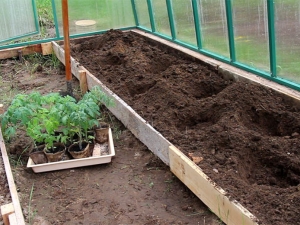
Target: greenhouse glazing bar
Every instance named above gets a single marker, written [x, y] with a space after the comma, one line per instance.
[35, 15]
[272, 75]
[195, 6]
[171, 19]
[230, 30]
[55, 18]
[151, 16]
[272, 44]
[135, 13]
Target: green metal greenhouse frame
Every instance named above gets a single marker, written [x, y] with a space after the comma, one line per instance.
[232, 59]
[36, 23]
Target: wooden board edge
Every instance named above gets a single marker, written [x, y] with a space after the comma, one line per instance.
[11, 183]
[47, 48]
[43, 48]
[6, 210]
[83, 81]
[13, 219]
[15, 52]
[230, 212]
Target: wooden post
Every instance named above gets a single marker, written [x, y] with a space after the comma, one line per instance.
[65, 13]
[12, 219]
[1, 108]
[83, 81]
[47, 48]
[6, 210]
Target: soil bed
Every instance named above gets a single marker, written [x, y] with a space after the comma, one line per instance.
[248, 135]
[135, 188]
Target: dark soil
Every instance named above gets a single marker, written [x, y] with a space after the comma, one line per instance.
[248, 135]
[135, 188]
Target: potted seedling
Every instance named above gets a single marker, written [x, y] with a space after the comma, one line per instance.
[82, 118]
[40, 117]
[19, 115]
[56, 121]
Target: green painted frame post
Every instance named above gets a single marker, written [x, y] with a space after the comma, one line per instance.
[37, 26]
[151, 15]
[55, 18]
[171, 19]
[197, 23]
[136, 19]
[230, 30]
[272, 38]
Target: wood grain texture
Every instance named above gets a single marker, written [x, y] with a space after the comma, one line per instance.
[6, 210]
[11, 183]
[230, 212]
[14, 52]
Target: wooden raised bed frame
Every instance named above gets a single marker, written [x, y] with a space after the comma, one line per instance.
[229, 211]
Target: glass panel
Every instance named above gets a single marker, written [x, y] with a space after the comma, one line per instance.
[250, 19]
[17, 19]
[184, 21]
[212, 15]
[161, 17]
[143, 15]
[288, 39]
[121, 14]
[96, 15]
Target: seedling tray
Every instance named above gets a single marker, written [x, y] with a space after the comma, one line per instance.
[73, 163]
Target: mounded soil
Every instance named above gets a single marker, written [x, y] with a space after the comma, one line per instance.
[247, 135]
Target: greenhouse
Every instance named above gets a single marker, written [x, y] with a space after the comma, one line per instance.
[199, 101]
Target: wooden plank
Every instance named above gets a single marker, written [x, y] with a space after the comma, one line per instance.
[47, 48]
[134, 122]
[83, 81]
[14, 52]
[230, 212]
[11, 183]
[6, 210]
[1, 108]
[13, 219]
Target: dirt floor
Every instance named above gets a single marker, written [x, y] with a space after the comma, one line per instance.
[248, 135]
[135, 188]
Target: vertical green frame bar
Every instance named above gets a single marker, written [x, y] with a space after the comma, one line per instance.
[171, 18]
[230, 30]
[197, 24]
[55, 18]
[135, 13]
[272, 42]
[37, 27]
[151, 15]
